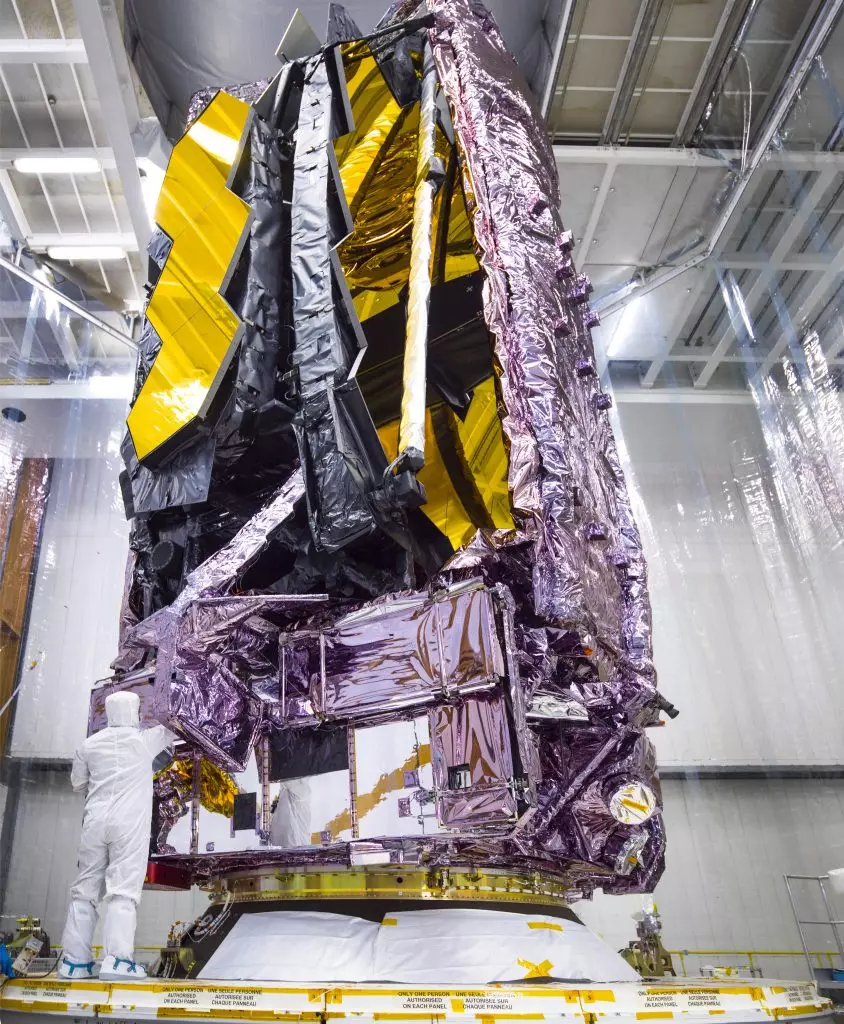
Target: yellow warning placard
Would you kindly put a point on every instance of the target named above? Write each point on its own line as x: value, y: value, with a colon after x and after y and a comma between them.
x: 45, y: 996
x: 793, y: 999
x: 490, y: 1002
x: 553, y: 1001
x: 652, y: 1002
x: 215, y: 1001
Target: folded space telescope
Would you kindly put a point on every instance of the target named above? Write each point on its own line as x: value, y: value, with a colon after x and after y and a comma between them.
x: 384, y: 577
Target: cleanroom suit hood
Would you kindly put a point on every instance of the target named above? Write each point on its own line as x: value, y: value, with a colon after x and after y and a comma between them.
x: 114, y: 768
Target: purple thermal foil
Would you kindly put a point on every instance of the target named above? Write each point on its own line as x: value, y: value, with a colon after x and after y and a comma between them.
x: 528, y: 654
x: 557, y: 439
x: 472, y: 763
x: 394, y: 655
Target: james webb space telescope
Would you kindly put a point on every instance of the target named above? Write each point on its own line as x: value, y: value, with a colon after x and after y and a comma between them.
x: 384, y: 577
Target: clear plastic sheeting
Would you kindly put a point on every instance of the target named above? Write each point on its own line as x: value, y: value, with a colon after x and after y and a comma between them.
x: 64, y: 390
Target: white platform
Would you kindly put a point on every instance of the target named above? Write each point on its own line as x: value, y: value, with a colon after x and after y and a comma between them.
x: 693, y: 1000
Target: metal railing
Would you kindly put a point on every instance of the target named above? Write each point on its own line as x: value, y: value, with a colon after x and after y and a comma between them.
x: 823, y: 958
x: 830, y: 922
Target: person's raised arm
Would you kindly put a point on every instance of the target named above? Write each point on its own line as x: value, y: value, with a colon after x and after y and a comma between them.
x: 79, y: 771
x: 158, y: 738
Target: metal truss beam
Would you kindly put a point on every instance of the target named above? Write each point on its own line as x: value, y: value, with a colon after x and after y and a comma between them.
x: 42, y: 51
x: 703, y: 280
x: 760, y: 155
x: 11, y: 211
x: 595, y: 216
x: 67, y: 303
x: 704, y: 268
x: 66, y: 340
x: 549, y: 88
x: 645, y: 156
x: 41, y: 241
x: 814, y: 10
x: 719, y: 58
x: 57, y: 322
x: 808, y: 307
x: 631, y: 68
x: 807, y: 209
x: 118, y: 104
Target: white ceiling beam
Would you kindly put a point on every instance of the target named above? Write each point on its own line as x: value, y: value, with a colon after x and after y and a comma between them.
x: 722, y: 51
x: 42, y: 51
x: 101, y: 322
x: 807, y: 208
x: 66, y: 340
x: 704, y: 269
x: 15, y: 309
x: 110, y: 70
x: 808, y: 306
x: 800, y: 261
x: 555, y: 63
x: 602, y: 191
x: 631, y: 67
x: 102, y: 153
x: 702, y: 281
x: 40, y: 241
x: 646, y: 156
x: 104, y: 387
x: 11, y: 211
x: 694, y: 356
x: 32, y: 311
x: 662, y: 396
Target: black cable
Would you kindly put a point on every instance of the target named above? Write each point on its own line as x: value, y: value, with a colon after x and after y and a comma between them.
x: 55, y: 965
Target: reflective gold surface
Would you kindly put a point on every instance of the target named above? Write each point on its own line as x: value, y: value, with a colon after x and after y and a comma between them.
x: 399, y: 882
x: 478, y: 446
x: 217, y: 789
x: 197, y: 327
x: 378, y: 169
x: 483, y: 448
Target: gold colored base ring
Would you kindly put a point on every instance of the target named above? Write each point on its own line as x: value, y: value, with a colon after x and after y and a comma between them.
x: 394, y: 883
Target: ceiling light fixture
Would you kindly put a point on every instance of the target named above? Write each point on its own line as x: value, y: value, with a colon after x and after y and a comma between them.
x: 86, y: 252
x: 56, y: 165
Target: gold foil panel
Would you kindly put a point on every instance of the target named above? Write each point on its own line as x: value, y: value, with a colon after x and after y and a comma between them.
x: 208, y: 225
x: 377, y: 164
x: 480, y: 451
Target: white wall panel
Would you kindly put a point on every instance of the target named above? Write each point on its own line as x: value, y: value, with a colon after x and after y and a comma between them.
x: 745, y: 636
x: 73, y: 625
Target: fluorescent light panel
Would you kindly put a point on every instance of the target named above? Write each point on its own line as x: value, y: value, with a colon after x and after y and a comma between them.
x: 86, y: 252
x: 56, y: 165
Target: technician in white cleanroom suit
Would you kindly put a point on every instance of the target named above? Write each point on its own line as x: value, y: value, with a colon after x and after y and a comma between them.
x: 114, y: 766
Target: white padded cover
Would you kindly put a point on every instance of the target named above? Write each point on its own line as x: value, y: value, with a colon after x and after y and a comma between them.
x: 295, y: 946
x: 424, y: 947
x: 468, y: 947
